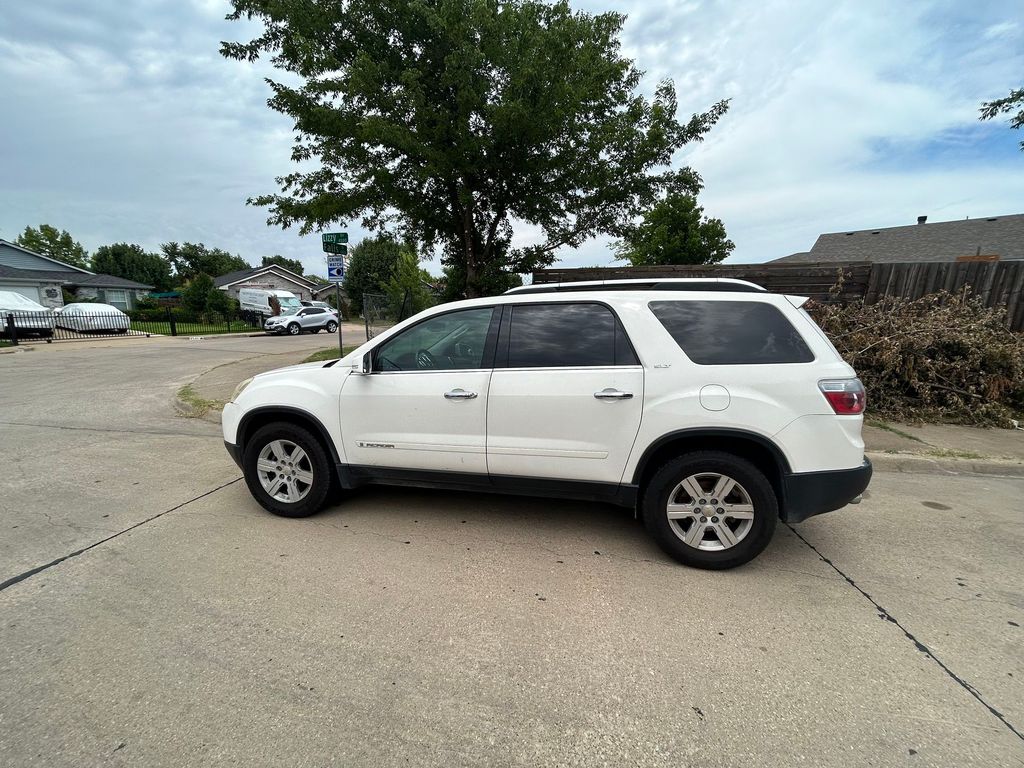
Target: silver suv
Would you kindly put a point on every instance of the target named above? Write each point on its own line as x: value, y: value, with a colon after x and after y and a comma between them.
x: 295, y: 321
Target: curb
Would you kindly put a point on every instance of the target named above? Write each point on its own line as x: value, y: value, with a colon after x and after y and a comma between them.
x: 890, y: 462
x: 189, y: 411
x: 12, y: 350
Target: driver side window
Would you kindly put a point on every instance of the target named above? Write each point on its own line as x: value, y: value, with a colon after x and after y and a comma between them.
x: 454, y: 341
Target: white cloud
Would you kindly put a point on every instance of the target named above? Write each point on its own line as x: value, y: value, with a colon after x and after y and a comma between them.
x: 122, y: 121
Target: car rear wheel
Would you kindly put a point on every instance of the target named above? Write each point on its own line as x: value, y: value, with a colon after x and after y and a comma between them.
x: 332, y: 327
x: 287, y: 470
x: 294, y: 329
x: 710, y: 509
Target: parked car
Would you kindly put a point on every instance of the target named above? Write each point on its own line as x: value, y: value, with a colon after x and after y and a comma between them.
x: 323, y: 304
x: 296, y: 321
x: 90, y: 317
x: 710, y: 407
x: 262, y: 301
x: 30, y: 318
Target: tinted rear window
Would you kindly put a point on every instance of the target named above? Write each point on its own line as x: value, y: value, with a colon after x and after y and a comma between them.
x: 560, y: 335
x: 732, y: 332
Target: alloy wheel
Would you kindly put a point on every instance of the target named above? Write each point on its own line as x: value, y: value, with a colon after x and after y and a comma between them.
x: 284, y: 471
x: 710, y: 511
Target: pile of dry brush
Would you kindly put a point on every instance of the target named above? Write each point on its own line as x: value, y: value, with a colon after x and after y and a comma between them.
x: 941, y: 357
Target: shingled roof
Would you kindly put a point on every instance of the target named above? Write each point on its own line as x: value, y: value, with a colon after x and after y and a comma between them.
x: 1001, y: 236
x: 69, y: 278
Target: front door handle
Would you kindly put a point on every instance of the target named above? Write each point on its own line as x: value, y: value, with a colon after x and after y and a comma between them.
x: 613, y: 394
x: 459, y: 394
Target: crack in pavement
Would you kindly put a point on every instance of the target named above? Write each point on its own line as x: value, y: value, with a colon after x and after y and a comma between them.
x: 883, y: 613
x: 160, y: 432
x: 40, y: 568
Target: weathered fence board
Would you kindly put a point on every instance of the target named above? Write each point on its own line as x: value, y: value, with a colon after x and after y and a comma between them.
x: 997, y: 283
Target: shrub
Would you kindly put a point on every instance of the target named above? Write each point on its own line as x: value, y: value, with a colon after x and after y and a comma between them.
x: 941, y: 357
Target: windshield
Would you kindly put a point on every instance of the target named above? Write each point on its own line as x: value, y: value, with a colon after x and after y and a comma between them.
x: 290, y: 302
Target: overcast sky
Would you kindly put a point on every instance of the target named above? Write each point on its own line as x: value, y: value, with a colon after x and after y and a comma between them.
x: 120, y: 121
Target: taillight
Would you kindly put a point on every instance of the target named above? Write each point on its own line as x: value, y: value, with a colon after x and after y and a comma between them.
x: 846, y: 396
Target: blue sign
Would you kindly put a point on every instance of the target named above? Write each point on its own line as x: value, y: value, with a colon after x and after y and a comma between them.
x: 335, y: 268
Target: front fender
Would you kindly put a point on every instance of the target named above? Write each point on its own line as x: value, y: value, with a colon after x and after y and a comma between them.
x: 311, y: 393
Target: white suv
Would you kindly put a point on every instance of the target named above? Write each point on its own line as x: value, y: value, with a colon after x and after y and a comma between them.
x: 710, y: 407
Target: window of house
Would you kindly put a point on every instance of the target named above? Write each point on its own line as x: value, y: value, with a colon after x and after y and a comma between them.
x: 117, y: 297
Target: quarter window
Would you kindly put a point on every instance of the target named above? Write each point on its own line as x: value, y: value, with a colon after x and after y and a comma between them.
x: 453, y: 341
x: 567, y: 335
x: 732, y: 332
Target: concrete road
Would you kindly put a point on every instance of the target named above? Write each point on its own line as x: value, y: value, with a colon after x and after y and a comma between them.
x: 426, y: 628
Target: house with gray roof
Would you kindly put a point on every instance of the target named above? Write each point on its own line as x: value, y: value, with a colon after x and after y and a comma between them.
x: 993, y: 238
x: 270, y: 277
x: 43, y: 280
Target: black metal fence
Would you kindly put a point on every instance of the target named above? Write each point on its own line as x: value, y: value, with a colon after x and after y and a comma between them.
x: 70, y: 325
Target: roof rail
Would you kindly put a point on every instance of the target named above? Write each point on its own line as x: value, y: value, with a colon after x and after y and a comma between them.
x: 652, y: 284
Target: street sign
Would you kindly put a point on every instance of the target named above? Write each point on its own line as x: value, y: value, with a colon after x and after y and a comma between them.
x: 336, y: 248
x: 335, y: 268
x: 334, y: 237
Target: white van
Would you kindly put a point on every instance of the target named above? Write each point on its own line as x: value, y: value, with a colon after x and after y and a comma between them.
x: 259, y: 300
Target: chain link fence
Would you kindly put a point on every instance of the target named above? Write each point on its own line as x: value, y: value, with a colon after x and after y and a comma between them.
x: 377, y: 311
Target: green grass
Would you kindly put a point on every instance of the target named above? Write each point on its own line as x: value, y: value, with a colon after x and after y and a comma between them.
x: 200, y: 406
x: 326, y: 354
x: 191, y: 329
x: 891, y: 428
x: 952, y: 453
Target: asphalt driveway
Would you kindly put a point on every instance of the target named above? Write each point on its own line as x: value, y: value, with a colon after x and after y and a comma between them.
x: 152, y: 614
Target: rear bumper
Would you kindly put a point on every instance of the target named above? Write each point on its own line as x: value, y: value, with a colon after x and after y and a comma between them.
x: 814, y: 493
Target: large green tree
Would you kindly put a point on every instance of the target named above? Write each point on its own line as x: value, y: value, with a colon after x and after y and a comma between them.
x: 454, y: 118
x: 132, y: 262
x: 55, y: 243
x: 675, y: 231
x: 191, y: 259
x: 293, y: 265
x: 407, y: 287
x: 1007, y: 105
x: 371, y: 265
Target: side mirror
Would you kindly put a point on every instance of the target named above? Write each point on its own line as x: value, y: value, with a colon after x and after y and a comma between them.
x: 361, y: 366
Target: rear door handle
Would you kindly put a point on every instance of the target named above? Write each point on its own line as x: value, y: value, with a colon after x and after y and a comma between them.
x: 613, y: 394
x: 459, y: 394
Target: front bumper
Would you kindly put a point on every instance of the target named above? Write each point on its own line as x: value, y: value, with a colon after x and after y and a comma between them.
x: 235, y: 452
x: 813, y: 493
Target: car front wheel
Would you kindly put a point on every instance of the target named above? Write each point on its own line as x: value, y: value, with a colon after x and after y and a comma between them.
x: 332, y: 327
x: 294, y: 329
x: 710, y: 509
x: 287, y: 470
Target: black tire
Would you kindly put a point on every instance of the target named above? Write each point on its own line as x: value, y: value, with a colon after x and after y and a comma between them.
x: 332, y: 327
x: 318, y: 461
x: 752, y: 480
x: 294, y: 329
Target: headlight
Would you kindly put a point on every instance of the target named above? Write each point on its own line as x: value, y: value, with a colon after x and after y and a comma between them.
x: 241, y: 386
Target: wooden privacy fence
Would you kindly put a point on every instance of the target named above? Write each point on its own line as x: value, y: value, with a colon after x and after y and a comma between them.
x: 997, y: 283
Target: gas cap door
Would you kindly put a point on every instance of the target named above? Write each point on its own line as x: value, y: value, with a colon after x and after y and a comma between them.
x: 714, y: 397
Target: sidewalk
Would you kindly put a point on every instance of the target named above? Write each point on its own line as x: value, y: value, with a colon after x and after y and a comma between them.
x: 943, y: 448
